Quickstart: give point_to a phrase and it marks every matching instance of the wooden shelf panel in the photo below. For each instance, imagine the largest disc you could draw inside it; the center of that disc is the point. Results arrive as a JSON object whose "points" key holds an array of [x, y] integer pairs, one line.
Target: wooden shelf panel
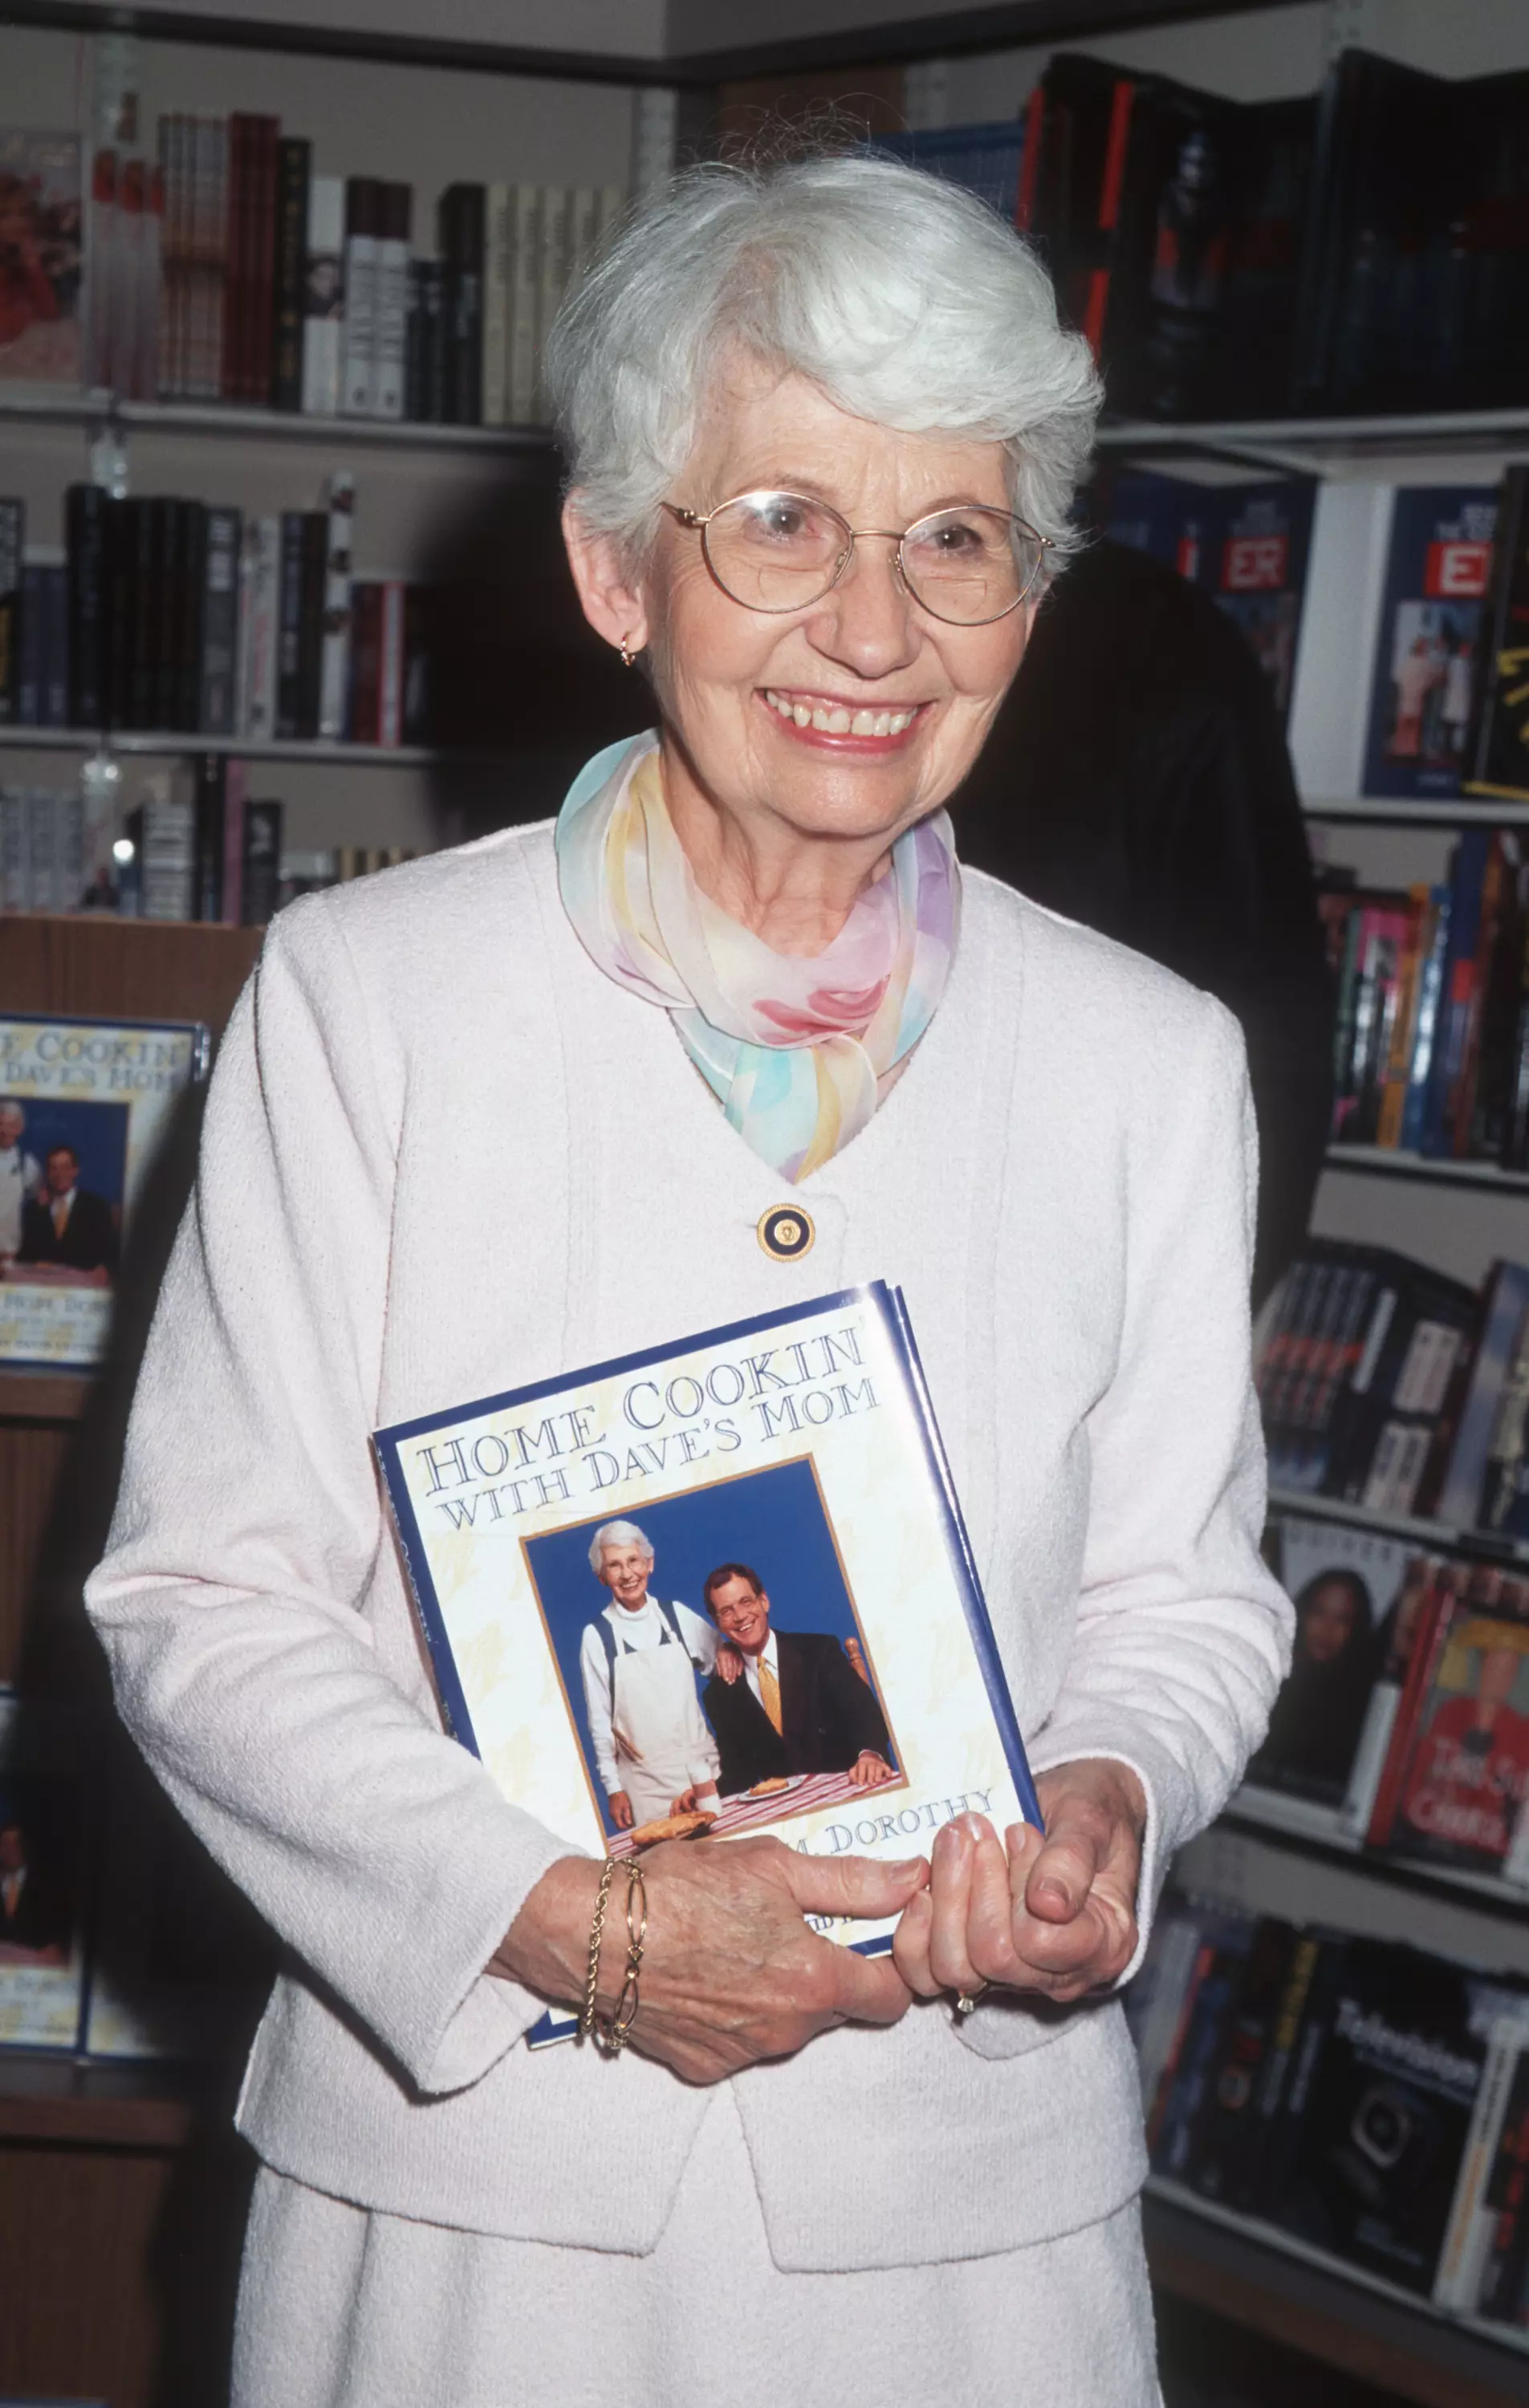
{"points": [[89, 965], [43, 1395], [1260, 2277], [170, 743], [93, 2105]]}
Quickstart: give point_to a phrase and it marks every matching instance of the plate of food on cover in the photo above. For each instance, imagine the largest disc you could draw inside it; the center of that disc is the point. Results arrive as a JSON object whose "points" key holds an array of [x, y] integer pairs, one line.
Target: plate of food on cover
{"points": [[671, 1826], [767, 1788]]}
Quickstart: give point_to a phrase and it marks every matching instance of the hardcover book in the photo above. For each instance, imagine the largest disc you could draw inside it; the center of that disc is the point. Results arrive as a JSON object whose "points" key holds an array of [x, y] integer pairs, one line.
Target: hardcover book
{"points": [[1345, 1584], [42, 1875], [41, 345], [723, 1586], [84, 1107], [1421, 690]]}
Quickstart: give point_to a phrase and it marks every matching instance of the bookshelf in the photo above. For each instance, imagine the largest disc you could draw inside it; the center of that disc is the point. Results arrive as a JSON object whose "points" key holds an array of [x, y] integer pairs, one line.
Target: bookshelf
{"points": [[1259, 2275]]}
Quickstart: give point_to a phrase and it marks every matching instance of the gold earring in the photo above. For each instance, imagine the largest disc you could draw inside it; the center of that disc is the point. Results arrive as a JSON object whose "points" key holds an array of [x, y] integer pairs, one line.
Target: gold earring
{"points": [[628, 655]]}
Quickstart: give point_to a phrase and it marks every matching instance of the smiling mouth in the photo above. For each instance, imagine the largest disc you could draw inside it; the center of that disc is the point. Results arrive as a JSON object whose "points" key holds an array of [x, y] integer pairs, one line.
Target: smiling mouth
{"points": [[818, 715]]}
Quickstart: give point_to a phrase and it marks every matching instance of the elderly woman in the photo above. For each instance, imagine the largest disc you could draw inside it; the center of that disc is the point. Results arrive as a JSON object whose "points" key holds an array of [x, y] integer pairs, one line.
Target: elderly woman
{"points": [[822, 430]]}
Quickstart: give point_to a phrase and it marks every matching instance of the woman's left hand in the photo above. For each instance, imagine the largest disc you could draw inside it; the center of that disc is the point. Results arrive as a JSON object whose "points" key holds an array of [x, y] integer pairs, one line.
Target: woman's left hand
{"points": [[1055, 1915]]}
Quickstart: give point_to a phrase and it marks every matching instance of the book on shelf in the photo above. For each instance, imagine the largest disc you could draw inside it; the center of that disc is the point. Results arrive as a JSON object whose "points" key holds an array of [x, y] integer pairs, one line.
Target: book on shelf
{"points": [[1503, 2296], [45, 1812], [1464, 1775], [1498, 754], [294, 165], [1437, 568], [41, 329], [1433, 1008], [1348, 1588], [1354, 1371], [96, 1099], [787, 1467], [460, 231], [1473, 1486], [363, 236], [1357, 2094], [1247, 544], [323, 298], [983, 159]]}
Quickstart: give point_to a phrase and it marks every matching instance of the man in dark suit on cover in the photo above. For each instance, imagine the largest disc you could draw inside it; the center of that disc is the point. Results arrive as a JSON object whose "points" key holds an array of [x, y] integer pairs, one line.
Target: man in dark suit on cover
{"points": [[800, 1707], [71, 1227]]}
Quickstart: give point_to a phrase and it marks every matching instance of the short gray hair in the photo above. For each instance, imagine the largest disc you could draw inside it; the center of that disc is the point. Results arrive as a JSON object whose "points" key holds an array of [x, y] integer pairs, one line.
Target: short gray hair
{"points": [[617, 1534], [909, 301]]}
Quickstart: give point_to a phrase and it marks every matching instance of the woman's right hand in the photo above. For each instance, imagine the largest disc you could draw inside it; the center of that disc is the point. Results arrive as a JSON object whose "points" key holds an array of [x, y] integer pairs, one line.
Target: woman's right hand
{"points": [[732, 1972]]}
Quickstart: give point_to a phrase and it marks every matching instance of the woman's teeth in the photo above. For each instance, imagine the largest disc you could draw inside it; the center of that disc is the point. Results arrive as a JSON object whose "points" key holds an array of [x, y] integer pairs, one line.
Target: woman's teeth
{"points": [[838, 720]]}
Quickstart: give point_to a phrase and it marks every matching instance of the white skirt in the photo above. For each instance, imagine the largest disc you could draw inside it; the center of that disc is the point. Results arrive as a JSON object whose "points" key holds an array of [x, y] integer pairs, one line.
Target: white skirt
{"points": [[342, 2308]]}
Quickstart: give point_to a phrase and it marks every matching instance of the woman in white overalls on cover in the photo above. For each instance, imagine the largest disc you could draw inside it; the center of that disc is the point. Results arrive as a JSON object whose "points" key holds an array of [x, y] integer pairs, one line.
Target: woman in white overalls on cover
{"points": [[638, 1659]]}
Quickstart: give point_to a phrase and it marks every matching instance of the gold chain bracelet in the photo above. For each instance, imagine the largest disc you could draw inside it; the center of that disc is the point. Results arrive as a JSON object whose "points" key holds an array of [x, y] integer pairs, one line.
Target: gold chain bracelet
{"points": [[610, 2034]]}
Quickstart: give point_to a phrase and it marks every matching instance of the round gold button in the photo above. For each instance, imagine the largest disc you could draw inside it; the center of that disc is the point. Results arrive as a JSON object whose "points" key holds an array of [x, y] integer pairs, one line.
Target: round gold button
{"points": [[786, 1232]]}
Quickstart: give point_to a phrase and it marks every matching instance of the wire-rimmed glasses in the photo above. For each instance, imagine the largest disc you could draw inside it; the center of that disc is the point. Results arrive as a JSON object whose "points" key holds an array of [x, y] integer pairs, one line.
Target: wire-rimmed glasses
{"points": [[780, 551]]}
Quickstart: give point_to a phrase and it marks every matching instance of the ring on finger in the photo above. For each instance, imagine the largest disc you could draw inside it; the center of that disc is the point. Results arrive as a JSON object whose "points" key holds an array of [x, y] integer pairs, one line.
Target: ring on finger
{"points": [[967, 2002]]}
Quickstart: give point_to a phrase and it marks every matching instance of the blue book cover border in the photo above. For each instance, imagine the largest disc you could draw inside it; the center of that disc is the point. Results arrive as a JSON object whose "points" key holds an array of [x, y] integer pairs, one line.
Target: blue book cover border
{"points": [[888, 1302]]}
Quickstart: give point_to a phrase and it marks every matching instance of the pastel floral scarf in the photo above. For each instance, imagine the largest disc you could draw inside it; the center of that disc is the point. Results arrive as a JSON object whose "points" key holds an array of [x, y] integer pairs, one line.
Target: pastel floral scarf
{"points": [[799, 1050]]}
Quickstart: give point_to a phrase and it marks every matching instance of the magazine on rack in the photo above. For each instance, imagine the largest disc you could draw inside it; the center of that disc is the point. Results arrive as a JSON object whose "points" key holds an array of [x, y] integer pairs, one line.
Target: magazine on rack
{"points": [[720, 1587]]}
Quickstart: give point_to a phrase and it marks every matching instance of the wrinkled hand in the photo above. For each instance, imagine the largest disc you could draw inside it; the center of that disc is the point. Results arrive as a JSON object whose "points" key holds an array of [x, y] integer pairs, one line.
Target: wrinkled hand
{"points": [[621, 1810], [730, 1972], [1057, 1916]]}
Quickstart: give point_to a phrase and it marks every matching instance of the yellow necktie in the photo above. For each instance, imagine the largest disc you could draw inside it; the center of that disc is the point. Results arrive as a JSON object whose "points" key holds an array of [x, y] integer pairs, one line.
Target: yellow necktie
{"points": [[769, 1693], [61, 1215]]}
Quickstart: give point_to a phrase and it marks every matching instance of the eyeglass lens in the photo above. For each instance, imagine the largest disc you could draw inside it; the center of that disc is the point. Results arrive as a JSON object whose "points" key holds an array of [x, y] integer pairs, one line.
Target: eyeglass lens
{"points": [[780, 552]]}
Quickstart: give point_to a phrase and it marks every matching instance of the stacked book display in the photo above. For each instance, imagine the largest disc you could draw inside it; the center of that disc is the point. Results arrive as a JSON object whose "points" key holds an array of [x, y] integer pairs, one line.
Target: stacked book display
{"points": [[175, 615], [1431, 1044], [1263, 260], [1404, 1723], [1385, 1384], [1367, 2100]]}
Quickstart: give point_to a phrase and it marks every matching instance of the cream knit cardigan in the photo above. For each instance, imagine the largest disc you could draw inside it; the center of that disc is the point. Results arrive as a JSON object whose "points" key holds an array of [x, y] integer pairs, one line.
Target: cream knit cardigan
{"points": [[445, 1155]]}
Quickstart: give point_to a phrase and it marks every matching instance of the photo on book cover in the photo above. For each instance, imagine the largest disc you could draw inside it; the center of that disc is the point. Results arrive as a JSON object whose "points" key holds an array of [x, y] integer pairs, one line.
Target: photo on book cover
{"points": [[43, 1813], [1467, 1780], [1346, 1585], [760, 1689], [1423, 689], [84, 1107], [717, 1587]]}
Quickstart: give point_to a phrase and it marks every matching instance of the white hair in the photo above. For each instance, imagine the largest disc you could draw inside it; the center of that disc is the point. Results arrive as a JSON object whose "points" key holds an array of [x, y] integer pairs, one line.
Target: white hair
{"points": [[617, 1534], [909, 301]]}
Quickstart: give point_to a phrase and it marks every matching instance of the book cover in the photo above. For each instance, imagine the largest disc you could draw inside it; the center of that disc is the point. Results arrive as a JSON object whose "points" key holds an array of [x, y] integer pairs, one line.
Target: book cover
{"points": [[1421, 687], [390, 363], [1468, 1770], [93, 1101], [44, 1813], [1387, 2113], [260, 593], [1503, 2294], [1472, 2220], [41, 227], [1410, 1623], [292, 162], [362, 233], [334, 659], [261, 876], [218, 667], [788, 1466], [1345, 1584], [1497, 752], [1500, 1338], [461, 241], [1262, 545], [1505, 1495], [12, 635], [323, 297]]}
